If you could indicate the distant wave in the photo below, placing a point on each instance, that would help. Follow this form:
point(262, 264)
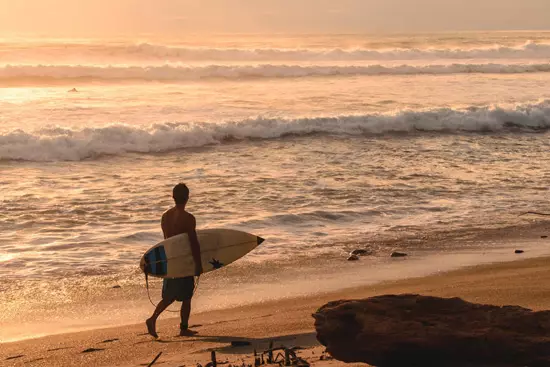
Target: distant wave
point(55, 144)
point(526, 50)
point(167, 73)
point(159, 52)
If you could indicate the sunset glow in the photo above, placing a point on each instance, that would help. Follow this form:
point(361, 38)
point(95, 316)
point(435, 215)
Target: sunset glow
point(71, 18)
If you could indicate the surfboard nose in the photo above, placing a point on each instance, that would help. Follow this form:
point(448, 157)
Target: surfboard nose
point(259, 240)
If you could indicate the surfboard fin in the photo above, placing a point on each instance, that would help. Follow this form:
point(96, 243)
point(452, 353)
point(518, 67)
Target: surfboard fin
point(259, 240)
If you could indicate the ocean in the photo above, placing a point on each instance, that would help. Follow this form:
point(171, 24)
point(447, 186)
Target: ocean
point(431, 144)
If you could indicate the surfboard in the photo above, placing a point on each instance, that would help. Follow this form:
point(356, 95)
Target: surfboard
point(172, 257)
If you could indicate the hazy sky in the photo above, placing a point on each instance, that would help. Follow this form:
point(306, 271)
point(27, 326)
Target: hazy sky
point(101, 17)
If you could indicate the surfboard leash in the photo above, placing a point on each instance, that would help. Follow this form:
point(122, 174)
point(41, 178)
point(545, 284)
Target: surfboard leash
point(149, 294)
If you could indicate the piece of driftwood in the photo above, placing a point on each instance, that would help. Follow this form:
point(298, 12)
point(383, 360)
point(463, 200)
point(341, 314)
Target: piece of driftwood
point(154, 360)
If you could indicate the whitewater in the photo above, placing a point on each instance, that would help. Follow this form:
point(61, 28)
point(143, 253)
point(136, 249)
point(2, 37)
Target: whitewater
point(59, 144)
point(319, 143)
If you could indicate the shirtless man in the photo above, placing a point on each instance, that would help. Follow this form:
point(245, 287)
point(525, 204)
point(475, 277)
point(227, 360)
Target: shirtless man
point(176, 221)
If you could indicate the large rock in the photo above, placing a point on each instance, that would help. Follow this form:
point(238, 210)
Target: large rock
point(413, 330)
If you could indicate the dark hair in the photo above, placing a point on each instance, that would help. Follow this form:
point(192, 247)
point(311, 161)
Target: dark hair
point(180, 193)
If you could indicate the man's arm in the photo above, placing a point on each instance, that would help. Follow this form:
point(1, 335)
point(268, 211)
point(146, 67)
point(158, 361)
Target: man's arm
point(195, 246)
point(163, 225)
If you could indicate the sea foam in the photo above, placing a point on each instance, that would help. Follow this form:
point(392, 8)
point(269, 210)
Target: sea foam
point(54, 144)
point(175, 73)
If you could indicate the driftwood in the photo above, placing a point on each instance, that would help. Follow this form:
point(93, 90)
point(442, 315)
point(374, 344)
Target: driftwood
point(154, 360)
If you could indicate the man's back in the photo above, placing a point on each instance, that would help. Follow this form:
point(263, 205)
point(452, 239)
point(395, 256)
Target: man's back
point(177, 221)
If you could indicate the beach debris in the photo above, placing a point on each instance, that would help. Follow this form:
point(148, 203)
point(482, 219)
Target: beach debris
point(90, 350)
point(15, 357)
point(117, 287)
point(519, 251)
point(398, 254)
point(270, 352)
point(353, 258)
point(154, 360)
point(288, 356)
point(239, 343)
point(415, 330)
point(213, 362)
point(543, 236)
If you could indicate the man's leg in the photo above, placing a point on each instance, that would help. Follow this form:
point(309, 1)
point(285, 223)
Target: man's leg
point(185, 312)
point(188, 289)
point(152, 321)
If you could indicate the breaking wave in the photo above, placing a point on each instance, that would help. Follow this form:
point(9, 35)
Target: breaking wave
point(168, 73)
point(529, 49)
point(160, 52)
point(54, 144)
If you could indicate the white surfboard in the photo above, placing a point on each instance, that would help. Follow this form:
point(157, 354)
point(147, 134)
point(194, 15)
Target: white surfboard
point(172, 257)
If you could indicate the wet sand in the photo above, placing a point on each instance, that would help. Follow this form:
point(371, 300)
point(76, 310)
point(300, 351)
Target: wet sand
point(287, 322)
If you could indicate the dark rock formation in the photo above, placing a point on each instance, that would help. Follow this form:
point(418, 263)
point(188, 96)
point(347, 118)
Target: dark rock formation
point(398, 254)
point(413, 330)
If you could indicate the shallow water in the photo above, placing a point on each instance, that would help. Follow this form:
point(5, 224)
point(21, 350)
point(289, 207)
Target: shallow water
point(318, 144)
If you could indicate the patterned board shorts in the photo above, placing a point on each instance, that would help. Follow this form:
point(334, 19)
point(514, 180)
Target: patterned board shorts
point(178, 289)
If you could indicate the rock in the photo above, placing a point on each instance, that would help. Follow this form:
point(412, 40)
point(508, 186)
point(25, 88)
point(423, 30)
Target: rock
point(414, 330)
point(117, 286)
point(543, 236)
point(519, 251)
point(398, 254)
point(353, 258)
point(360, 252)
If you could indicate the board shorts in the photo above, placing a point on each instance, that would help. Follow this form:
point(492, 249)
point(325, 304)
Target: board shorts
point(178, 289)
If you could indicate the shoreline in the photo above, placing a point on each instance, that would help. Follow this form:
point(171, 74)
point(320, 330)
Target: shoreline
point(368, 272)
point(524, 282)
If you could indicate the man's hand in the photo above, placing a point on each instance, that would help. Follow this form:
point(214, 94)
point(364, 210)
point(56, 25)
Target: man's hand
point(198, 270)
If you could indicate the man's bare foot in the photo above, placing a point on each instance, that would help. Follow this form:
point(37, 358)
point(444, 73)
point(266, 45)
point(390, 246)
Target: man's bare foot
point(151, 329)
point(187, 332)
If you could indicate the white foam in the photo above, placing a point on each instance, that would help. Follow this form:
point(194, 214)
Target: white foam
point(528, 49)
point(169, 73)
point(65, 144)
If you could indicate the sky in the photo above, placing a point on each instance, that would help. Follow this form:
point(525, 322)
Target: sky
point(124, 17)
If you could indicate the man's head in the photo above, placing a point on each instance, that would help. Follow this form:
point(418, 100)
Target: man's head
point(180, 193)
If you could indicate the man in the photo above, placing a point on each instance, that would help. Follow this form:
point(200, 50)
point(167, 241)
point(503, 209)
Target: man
point(176, 221)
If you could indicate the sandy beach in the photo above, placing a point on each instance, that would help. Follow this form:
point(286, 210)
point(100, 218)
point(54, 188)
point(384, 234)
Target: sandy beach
point(298, 134)
point(287, 322)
